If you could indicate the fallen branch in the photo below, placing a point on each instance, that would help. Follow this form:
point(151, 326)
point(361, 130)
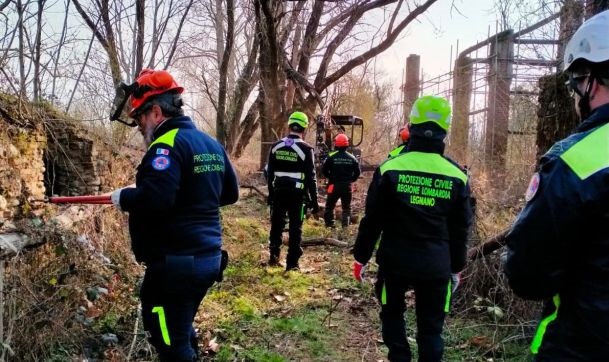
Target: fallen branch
point(324, 241)
point(492, 244)
point(252, 187)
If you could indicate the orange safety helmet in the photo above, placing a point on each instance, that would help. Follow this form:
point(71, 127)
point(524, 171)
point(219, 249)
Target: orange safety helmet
point(404, 134)
point(341, 140)
point(151, 83)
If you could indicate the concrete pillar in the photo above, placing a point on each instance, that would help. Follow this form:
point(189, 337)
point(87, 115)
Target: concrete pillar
point(413, 83)
point(462, 91)
point(500, 74)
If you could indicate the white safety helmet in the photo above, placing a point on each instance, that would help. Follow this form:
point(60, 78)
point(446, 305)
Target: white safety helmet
point(590, 42)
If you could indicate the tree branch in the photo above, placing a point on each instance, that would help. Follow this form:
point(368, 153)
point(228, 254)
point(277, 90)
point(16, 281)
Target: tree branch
point(4, 4)
point(177, 36)
point(381, 47)
point(93, 26)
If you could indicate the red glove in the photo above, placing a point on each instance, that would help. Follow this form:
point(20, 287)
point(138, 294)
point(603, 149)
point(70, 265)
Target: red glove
point(358, 270)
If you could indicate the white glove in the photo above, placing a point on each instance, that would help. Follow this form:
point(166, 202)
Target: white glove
point(455, 280)
point(116, 198)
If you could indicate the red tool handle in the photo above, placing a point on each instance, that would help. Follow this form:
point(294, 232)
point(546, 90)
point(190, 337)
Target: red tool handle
point(91, 199)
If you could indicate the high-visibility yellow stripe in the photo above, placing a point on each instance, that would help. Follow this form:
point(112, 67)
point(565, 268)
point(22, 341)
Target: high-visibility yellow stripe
point(449, 294)
point(167, 138)
point(543, 325)
point(432, 163)
point(384, 295)
point(396, 151)
point(590, 154)
point(162, 324)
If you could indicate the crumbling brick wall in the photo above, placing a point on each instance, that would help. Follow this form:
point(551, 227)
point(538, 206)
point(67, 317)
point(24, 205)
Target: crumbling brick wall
point(43, 153)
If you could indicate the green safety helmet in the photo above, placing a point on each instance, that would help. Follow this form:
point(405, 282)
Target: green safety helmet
point(299, 118)
point(431, 109)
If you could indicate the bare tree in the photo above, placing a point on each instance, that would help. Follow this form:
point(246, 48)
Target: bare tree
point(126, 55)
point(323, 39)
point(226, 74)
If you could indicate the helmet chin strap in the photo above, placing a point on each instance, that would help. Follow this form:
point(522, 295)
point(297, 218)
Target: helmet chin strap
point(584, 100)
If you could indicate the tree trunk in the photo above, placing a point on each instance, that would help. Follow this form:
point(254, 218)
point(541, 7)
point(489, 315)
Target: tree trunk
point(37, 45)
point(594, 7)
point(556, 112)
point(271, 113)
point(221, 126)
point(238, 131)
point(248, 127)
point(140, 20)
point(20, 11)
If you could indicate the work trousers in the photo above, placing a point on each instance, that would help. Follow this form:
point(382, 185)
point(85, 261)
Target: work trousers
point(290, 202)
point(170, 294)
point(570, 334)
point(343, 192)
point(432, 300)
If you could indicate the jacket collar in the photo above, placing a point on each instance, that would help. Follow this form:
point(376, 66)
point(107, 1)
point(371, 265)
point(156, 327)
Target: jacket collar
point(599, 116)
point(173, 123)
point(425, 145)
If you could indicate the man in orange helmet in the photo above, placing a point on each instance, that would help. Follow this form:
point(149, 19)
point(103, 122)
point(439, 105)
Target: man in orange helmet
point(174, 213)
point(405, 137)
point(341, 169)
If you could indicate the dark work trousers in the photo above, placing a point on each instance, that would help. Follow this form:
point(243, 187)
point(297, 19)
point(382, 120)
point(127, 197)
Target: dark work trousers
point(170, 294)
point(566, 334)
point(343, 192)
point(432, 300)
point(290, 202)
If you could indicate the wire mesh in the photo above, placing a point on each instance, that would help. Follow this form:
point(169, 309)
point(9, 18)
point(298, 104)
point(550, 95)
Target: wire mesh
point(501, 86)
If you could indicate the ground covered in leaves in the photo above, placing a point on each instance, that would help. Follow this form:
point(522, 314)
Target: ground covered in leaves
point(262, 313)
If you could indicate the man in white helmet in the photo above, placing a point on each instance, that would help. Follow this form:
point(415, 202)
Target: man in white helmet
point(558, 248)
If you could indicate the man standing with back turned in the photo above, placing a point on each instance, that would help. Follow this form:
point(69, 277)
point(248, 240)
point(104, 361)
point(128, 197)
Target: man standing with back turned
point(420, 202)
point(341, 169)
point(292, 188)
point(558, 248)
point(403, 147)
point(174, 214)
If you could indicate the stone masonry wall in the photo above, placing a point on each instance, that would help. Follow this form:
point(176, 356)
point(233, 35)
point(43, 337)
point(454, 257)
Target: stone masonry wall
point(42, 153)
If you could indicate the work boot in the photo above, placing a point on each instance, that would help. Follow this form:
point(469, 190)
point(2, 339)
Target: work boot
point(293, 267)
point(274, 260)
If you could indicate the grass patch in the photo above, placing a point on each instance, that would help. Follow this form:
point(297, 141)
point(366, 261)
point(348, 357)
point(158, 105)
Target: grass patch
point(262, 313)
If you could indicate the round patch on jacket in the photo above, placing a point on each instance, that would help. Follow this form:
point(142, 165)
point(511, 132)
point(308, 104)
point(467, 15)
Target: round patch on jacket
point(533, 187)
point(160, 163)
point(289, 142)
